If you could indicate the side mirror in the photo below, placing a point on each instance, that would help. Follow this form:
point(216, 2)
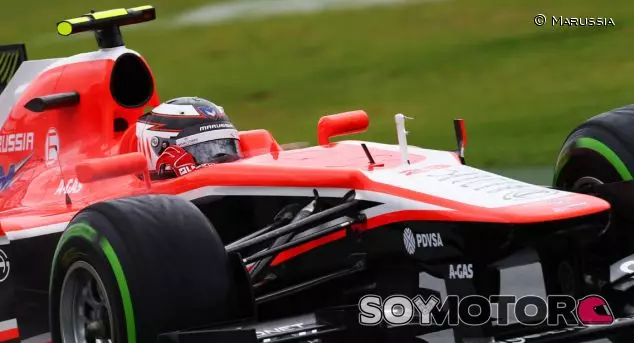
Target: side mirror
point(341, 124)
point(111, 167)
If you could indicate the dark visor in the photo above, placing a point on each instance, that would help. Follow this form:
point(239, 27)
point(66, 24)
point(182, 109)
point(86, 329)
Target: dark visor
point(215, 151)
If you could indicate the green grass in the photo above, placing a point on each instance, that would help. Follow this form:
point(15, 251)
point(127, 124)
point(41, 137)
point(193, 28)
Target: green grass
point(520, 88)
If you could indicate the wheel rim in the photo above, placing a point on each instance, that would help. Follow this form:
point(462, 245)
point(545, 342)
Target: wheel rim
point(584, 184)
point(85, 313)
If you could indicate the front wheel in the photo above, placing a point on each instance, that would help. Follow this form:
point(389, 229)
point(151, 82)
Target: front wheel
point(128, 270)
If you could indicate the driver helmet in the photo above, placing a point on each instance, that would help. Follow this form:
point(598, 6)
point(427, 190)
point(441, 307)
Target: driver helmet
point(197, 125)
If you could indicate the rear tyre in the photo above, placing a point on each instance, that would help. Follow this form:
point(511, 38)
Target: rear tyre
point(601, 150)
point(129, 269)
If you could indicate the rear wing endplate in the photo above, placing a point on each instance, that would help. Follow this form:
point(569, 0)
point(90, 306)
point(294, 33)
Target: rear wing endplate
point(11, 57)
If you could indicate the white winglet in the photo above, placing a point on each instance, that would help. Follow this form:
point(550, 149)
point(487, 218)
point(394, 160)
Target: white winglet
point(401, 133)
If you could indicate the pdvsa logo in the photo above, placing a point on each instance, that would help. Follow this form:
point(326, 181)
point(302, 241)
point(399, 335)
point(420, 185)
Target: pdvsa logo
point(420, 240)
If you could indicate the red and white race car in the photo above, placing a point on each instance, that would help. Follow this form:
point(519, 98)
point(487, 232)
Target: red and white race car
point(93, 250)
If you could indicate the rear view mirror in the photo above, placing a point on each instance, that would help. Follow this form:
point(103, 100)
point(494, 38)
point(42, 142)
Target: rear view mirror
point(114, 166)
point(341, 124)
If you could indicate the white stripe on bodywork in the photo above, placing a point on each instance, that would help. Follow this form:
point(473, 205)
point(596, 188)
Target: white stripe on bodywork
point(101, 54)
point(400, 203)
point(36, 231)
point(8, 325)
point(389, 203)
point(206, 191)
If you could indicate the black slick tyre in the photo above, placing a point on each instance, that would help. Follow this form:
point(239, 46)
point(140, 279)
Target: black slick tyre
point(143, 266)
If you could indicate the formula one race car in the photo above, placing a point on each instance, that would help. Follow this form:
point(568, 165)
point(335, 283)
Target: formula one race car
point(281, 245)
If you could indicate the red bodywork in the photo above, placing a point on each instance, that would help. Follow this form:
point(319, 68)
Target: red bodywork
point(34, 203)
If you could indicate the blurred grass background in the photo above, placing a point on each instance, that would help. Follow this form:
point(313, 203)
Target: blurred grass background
point(520, 88)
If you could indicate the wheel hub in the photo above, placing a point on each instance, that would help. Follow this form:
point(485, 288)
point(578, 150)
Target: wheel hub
point(85, 313)
point(584, 184)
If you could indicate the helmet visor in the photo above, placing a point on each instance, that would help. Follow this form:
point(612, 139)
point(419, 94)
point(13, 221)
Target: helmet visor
point(214, 151)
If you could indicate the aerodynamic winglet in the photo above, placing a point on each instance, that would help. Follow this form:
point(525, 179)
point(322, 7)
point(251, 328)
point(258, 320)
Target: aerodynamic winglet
point(52, 101)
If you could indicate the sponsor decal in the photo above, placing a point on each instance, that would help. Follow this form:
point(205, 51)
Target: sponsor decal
point(186, 169)
point(154, 141)
point(187, 141)
point(461, 271)
point(278, 330)
point(216, 127)
point(410, 241)
point(16, 142)
point(52, 147)
point(472, 179)
point(428, 240)
point(73, 186)
point(562, 205)
point(476, 310)
point(409, 172)
point(5, 266)
point(211, 111)
point(420, 240)
point(6, 178)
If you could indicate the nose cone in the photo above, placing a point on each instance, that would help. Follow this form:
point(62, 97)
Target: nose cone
point(569, 205)
point(470, 194)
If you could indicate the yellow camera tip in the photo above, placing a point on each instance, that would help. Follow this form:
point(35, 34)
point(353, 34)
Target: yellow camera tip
point(64, 28)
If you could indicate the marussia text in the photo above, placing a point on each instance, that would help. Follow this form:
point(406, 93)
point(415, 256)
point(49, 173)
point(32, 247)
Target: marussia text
point(577, 21)
point(16, 142)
